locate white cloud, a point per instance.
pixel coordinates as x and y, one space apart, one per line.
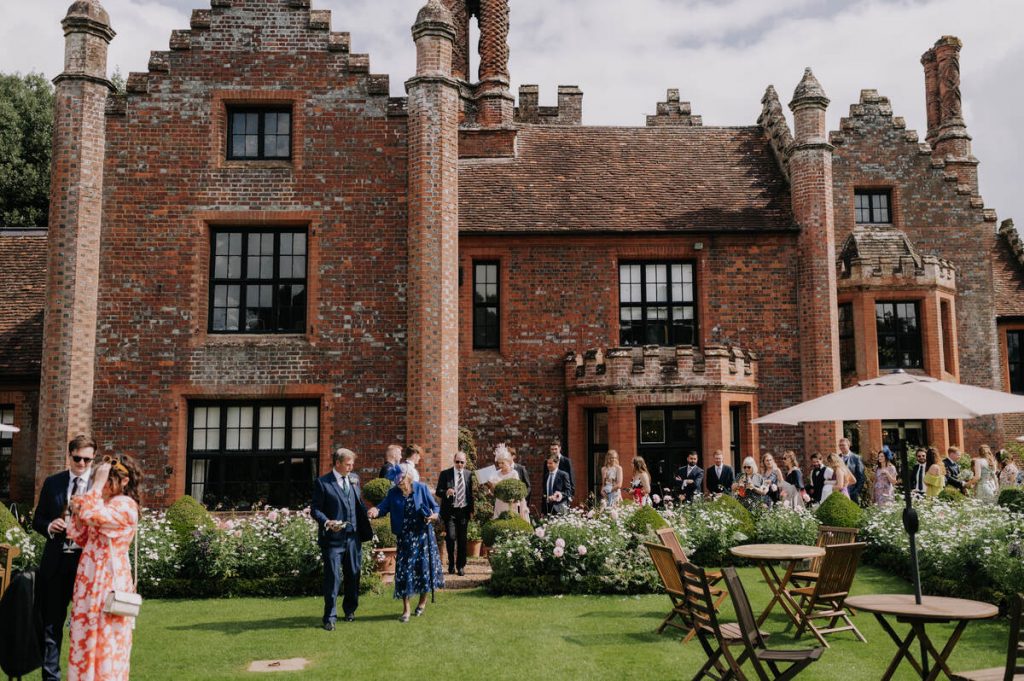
721 54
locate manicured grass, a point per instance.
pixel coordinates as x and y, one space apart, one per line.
470 635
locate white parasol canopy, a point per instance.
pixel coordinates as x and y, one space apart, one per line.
5 428
900 396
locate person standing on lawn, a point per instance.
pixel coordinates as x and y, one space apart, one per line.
817 478
690 478
556 487
720 477
855 464
952 465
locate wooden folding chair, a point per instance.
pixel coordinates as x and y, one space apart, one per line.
670 539
1014 668
826 598
754 647
672 581
827 536
7 555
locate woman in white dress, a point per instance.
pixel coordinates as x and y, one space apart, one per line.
611 479
506 471
828 483
985 480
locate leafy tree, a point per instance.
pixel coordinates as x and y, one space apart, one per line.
26 126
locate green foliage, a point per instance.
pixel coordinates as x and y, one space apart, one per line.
783 525
375 490
645 519
510 490
26 127
839 511
499 527
467 444
7 520
187 516
483 507
473 532
732 506
384 538
1012 498
952 495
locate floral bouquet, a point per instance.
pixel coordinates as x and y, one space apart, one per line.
966 475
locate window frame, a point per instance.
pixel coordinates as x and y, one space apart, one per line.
486 305
243 281
899 336
223 456
847 336
262 112
1016 382
7 412
873 195
645 305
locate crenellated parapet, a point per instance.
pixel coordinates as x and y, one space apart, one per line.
883 257
568 112
652 367
673 112
1013 240
773 121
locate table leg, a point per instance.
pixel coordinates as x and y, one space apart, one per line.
767 573
788 603
902 649
947 650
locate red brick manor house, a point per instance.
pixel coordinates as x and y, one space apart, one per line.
255 255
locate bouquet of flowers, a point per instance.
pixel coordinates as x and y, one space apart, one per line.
966 475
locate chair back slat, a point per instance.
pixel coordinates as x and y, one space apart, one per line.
667 569
698 598
838 568
669 538
7 555
828 536
1015 656
744 613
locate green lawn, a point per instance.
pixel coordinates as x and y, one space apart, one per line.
470 635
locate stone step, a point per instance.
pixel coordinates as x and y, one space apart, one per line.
478 572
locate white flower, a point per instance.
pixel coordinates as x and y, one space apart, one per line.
558 551
560 543
540 532
581 549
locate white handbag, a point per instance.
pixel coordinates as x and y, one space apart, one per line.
125 603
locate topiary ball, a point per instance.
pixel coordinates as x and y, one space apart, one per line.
384 538
375 490
1012 498
494 529
186 516
510 491
643 519
838 510
732 506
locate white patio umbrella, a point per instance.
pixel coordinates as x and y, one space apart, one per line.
5 428
901 396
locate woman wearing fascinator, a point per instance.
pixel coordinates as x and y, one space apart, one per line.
417 562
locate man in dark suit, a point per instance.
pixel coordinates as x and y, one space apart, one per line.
720 476
59 564
557 487
342 526
856 465
817 479
455 490
521 471
690 478
919 470
564 464
953 469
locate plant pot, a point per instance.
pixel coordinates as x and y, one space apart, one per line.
485 550
473 547
385 560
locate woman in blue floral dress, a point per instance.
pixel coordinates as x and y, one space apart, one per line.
417 562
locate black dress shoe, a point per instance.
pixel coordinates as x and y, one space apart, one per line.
462 573
328 626
350 618
451 571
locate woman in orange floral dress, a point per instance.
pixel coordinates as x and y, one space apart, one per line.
104 522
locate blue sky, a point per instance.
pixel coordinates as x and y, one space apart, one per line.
721 54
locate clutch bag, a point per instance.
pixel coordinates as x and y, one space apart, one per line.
122 603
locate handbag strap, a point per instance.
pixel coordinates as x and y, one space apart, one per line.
135 565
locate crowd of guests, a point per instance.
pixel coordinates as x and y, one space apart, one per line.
89 515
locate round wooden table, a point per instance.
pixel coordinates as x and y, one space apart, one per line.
765 556
931 610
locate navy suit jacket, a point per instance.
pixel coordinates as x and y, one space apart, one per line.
697 475
560 484
329 504
856 466
445 482
564 464
53 499
721 485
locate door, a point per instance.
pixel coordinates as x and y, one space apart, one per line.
911 432
666 435
597 446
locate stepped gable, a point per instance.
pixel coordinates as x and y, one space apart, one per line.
674 112
1008 270
576 179
23 282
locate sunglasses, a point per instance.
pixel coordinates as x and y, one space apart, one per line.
82 459
461 463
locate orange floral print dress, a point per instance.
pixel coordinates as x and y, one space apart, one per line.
101 644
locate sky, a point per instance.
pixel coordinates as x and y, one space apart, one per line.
720 54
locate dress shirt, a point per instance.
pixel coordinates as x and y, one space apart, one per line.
342 480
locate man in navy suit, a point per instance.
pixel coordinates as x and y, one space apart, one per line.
952 464
856 465
342 526
690 478
720 476
59 564
455 490
565 465
557 487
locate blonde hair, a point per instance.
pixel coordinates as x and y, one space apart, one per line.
639 464
611 458
789 458
835 462
986 451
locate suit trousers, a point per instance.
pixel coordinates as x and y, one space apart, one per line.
455 529
350 556
57 589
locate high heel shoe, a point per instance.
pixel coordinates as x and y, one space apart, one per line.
404 618
418 611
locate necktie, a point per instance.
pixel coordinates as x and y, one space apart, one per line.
344 484
920 478
460 490
551 483
75 486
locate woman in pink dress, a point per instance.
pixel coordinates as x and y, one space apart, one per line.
104 521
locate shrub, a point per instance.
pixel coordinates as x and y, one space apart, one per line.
732 506
383 537
186 516
467 444
499 527
375 490
510 490
7 520
951 494
783 525
1012 498
483 508
839 511
473 531
644 520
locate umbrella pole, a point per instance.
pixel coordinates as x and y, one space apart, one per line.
910 521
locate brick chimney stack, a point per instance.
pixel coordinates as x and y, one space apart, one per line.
810 169
947 132
76 211
493 98
433 352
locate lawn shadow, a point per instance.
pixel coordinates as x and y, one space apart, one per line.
623 615
281 623
611 639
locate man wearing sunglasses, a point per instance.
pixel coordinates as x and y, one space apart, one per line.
455 490
60 555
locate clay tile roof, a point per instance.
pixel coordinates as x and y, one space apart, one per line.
877 244
1008 273
627 179
22 294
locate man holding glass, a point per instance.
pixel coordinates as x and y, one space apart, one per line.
455 490
59 564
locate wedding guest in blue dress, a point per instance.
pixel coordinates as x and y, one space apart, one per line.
417 562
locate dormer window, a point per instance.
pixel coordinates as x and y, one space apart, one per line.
873 207
259 133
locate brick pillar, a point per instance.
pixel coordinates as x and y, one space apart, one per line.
494 100
76 211
433 364
810 168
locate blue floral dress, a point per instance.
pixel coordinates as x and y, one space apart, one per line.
417 562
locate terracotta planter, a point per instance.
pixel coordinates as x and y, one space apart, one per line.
473 547
385 560
485 550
